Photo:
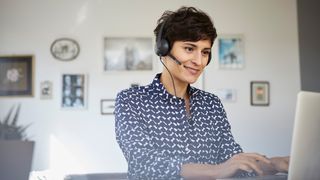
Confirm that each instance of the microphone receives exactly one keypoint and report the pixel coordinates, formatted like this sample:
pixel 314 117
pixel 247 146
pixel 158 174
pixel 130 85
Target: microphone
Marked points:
pixel 174 59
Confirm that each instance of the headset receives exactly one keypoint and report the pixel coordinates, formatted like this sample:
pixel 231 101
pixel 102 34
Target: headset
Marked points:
pixel 163 48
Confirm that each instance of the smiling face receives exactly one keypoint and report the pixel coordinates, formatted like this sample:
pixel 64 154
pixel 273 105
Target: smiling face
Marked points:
pixel 193 56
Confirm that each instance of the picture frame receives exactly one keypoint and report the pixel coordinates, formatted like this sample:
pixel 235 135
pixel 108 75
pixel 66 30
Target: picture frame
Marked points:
pixel 46 90
pixel 128 54
pixel 226 94
pixel 74 91
pixel 107 106
pixel 231 54
pixel 17 76
pixel 65 49
pixel 134 85
pixel 260 93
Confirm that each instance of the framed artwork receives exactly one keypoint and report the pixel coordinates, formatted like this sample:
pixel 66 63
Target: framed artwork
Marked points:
pixel 107 106
pixel 16 75
pixel 260 93
pixel 74 91
pixel 231 52
pixel 226 95
pixel 65 49
pixel 128 54
pixel 46 90
pixel 134 85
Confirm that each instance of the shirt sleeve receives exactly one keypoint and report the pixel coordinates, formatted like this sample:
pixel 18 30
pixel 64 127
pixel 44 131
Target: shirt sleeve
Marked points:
pixel 228 146
pixel 144 161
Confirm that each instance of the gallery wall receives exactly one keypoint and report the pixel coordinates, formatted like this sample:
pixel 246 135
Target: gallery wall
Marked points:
pixel 71 141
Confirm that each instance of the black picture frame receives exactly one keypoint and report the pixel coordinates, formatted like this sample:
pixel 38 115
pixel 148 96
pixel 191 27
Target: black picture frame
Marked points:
pixel 260 93
pixel 17 76
pixel 107 106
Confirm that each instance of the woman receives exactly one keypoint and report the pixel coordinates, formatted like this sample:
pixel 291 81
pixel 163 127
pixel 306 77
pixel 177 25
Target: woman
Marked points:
pixel 171 130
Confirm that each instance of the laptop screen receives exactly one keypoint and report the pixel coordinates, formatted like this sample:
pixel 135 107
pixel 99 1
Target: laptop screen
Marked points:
pixel 305 147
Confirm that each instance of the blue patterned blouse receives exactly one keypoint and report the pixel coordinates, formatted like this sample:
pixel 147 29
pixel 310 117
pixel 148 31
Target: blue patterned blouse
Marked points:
pixel 157 136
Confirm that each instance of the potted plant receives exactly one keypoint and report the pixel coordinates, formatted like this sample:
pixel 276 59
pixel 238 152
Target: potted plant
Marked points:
pixel 16 151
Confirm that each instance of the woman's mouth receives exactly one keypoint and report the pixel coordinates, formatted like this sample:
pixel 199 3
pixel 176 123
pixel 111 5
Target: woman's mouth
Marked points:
pixel 192 71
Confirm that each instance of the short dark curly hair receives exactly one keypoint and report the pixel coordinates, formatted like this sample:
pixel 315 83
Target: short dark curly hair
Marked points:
pixel 186 24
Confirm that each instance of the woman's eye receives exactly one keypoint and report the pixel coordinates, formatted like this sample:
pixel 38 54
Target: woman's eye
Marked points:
pixel 188 49
pixel 205 53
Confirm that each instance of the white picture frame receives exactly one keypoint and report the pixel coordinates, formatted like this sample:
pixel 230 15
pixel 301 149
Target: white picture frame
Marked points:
pixel 74 91
pixel 128 54
pixel 231 52
pixel 46 90
pixel 226 94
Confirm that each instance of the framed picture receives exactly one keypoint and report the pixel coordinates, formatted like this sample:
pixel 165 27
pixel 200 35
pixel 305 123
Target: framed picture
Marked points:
pixel 231 52
pixel 260 93
pixel 128 54
pixel 226 95
pixel 16 75
pixel 46 90
pixel 134 85
pixel 74 91
pixel 65 49
pixel 107 106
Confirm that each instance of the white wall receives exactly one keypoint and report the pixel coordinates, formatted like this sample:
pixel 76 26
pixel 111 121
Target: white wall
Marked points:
pixel 84 141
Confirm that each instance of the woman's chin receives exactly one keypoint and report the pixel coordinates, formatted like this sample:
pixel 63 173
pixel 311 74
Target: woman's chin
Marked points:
pixel 192 80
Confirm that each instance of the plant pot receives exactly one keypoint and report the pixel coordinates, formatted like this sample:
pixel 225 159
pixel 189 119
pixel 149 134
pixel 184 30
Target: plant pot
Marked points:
pixel 15 159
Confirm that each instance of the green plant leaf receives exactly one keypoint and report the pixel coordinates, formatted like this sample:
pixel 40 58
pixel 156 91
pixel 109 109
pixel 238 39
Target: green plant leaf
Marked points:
pixel 15 119
pixel 7 118
pixel 9 130
pixel 22 129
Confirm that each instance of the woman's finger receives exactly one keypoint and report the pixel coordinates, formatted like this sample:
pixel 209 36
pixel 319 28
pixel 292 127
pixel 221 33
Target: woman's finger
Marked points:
pixel 258 157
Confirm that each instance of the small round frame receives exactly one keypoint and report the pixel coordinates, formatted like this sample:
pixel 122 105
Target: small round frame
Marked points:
pixel 65 49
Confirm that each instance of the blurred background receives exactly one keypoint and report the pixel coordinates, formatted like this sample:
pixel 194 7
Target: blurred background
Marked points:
pixel 280 47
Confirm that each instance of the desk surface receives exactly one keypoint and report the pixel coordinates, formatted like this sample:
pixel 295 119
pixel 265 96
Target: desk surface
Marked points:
pixel 268 177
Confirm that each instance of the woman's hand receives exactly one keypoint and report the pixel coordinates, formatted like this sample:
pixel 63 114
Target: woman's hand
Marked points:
pixel 280 164
pixel 243 161
pixel 249 162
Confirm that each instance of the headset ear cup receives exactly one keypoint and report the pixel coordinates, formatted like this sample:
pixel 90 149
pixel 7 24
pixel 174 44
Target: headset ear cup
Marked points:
pixel 162 44
pixel 162 47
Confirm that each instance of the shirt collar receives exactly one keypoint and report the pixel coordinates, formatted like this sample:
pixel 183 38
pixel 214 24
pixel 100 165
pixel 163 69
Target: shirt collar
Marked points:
pixel 159 88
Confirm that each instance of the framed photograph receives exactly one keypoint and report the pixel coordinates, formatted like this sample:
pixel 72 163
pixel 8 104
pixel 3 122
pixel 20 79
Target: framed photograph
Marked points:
pixel 226 95
pixel 260 93
pixel 134 85
pixel 46 90
pixel 231 52
pixel 128 54
pixel 107 106
pixel 16 75
pixel 65 49
pixel 74 91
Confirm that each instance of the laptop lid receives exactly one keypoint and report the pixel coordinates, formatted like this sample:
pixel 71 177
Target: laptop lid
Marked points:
pixel 305 147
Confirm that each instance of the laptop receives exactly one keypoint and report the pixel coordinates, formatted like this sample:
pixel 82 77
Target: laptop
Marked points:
pixel 305 146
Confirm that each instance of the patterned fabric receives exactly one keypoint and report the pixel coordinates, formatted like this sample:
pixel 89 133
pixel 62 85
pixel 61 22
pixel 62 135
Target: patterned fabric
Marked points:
pixel 157 136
